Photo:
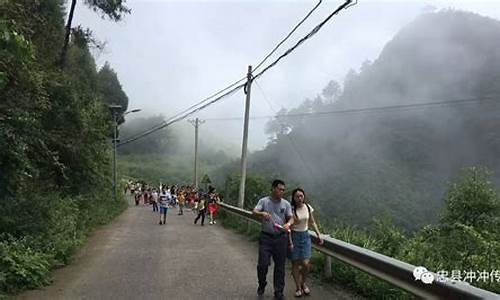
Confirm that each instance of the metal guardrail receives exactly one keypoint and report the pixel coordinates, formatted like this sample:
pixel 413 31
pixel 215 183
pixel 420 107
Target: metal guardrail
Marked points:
pixel 386 268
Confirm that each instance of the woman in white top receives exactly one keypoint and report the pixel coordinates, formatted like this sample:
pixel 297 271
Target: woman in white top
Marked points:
pixel 301 241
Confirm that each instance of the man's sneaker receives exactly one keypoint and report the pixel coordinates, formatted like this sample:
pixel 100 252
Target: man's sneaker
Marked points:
pixel 261 290
pixel 211 223
pixel 159 223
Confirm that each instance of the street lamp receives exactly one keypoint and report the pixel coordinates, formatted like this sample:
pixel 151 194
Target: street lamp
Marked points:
pixel 116 113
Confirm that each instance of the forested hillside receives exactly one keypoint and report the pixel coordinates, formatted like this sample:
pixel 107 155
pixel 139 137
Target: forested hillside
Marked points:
pixel 55 146
pixel 396 161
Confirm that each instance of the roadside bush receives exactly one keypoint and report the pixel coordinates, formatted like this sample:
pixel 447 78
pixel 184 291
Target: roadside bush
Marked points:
pixel 58 226
pixel 20 265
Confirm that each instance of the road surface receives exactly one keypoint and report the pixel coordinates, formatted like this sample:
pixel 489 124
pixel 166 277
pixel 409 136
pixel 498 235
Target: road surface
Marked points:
pixel 135 258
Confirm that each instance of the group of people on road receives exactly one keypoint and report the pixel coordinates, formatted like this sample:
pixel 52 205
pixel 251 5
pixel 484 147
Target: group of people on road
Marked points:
pixel 285 229
pixel 172 196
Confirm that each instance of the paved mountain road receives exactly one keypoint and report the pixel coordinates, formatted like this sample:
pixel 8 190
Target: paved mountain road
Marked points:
pixel 135 258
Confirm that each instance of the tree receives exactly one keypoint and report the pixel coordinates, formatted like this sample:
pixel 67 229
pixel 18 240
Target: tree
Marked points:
pixel 113 9
pixel 472 201
pixel 332 91
pixel 256 188
pixel 62 59
pixel 21 87
pixel 39 22
pixel 467 236
pixel 110 89
pixel 279 125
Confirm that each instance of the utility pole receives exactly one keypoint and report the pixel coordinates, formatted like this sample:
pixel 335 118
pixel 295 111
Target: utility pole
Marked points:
pixel 115 134
pixel 115 110
pixel 196 123
pixel 248 86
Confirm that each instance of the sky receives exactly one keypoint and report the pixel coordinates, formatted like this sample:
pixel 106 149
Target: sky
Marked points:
pixel 170 55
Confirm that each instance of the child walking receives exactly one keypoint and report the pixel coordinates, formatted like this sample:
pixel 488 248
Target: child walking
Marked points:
pixel 212 204
pixel 181 199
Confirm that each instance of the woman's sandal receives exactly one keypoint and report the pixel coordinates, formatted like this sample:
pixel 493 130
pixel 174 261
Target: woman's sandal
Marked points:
pixel 306 290
pixel 298 293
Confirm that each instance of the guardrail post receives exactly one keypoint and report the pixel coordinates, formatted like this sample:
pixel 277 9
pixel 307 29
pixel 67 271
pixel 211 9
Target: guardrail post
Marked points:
pixel 249 226
pixel 327 267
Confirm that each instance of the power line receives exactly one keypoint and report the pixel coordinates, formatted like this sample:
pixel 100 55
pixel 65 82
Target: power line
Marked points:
pixel 185 113
pixel 346 4
pixel 179 117
pixel 211 96
pixel 401 107
pixel 161 125
pixel 289 34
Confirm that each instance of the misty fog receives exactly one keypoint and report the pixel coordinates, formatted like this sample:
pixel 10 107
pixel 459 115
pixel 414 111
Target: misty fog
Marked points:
pixel 404 56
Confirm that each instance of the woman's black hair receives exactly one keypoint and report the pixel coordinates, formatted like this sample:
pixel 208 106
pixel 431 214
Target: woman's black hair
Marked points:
pixel 294 205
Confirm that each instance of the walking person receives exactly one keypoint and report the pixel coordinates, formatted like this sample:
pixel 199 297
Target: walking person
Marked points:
pixel 181 199
pixel 301 241
pixel 154 199
pixel 188 197
pixel 212 204
pixel 276 214
pixel 144 197
pixel 173 196
pixel 202 209
pixel 164 199
pixel 137 196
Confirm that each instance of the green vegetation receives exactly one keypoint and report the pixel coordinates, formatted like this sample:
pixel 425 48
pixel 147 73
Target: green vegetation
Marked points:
pixel 54 138
pixel 153 168
pixel 466 238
